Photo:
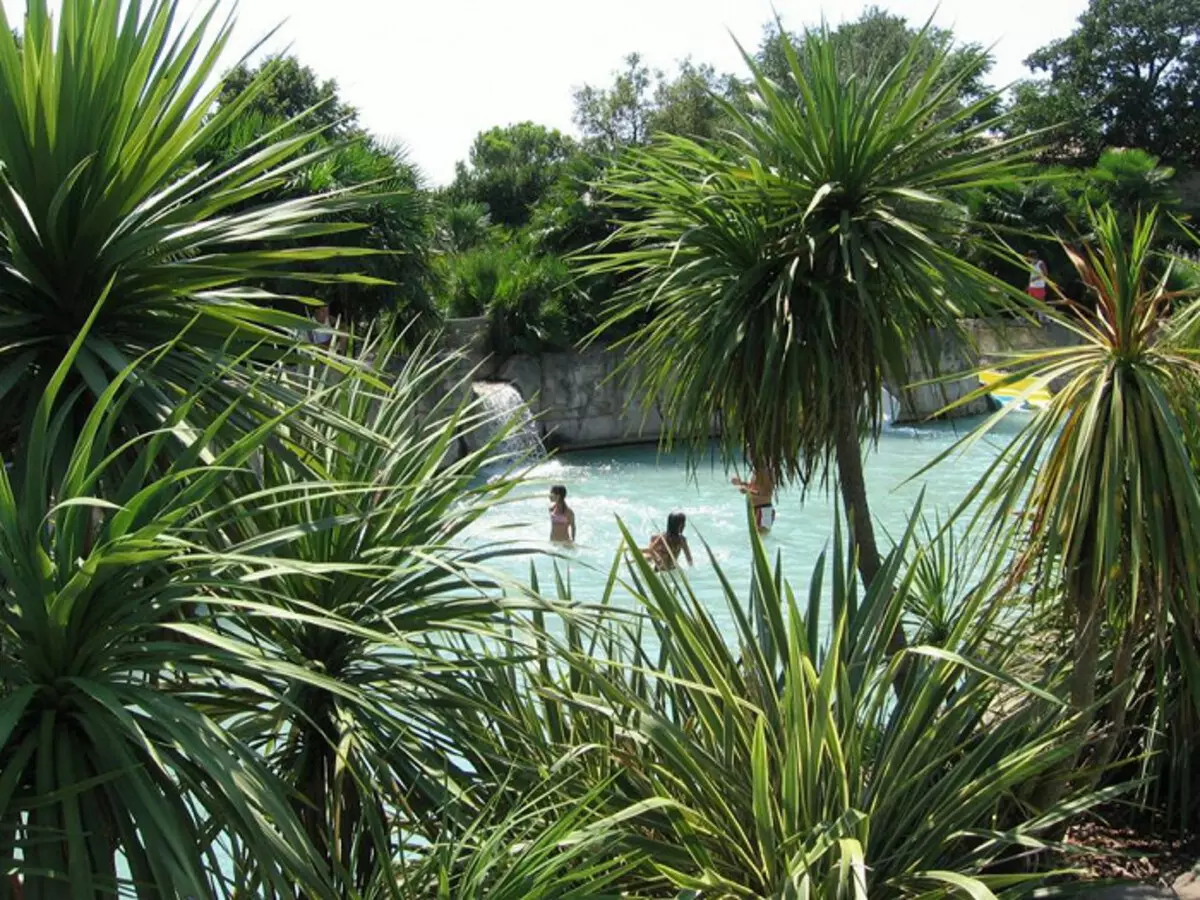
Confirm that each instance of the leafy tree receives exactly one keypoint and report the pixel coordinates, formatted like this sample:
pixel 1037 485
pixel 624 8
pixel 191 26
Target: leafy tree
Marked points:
pixel 1127 76
pixel 690 105
pixel 510 169
pixel 390 268
pixel 617 116
pixel 878 41
pixel 641 102
pixel 289 89
pixel 793 268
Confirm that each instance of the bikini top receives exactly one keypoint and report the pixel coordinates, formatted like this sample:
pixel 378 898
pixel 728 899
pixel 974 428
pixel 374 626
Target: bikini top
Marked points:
pixel 559 518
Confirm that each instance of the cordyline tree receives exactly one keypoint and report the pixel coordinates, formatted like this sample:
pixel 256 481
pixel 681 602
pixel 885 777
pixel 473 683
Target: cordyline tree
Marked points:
pixel 1102 484
pixel 794 266
pixel 111 229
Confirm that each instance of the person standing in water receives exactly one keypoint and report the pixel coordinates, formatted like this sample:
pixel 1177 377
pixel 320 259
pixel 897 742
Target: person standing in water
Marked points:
pixel 1037 281
pixel 562 517
pixel 761 491
pixel 665 548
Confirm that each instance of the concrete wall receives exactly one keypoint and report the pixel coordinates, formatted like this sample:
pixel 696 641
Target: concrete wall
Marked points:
pixel 580 401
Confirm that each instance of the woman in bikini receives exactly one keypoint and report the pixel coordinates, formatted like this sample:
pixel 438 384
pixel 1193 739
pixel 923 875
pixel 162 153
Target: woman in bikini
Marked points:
pixel 761 491
pixel 562 517
pixel 665 548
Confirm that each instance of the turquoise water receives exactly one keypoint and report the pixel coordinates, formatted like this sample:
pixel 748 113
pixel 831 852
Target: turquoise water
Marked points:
pixel 640 486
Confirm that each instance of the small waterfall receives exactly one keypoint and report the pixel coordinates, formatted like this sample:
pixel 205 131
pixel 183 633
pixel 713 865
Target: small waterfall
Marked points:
pixel 504 404
pixel 891 407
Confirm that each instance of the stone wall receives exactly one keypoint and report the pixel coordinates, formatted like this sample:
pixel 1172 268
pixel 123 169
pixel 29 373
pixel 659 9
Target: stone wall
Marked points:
pixel 580 401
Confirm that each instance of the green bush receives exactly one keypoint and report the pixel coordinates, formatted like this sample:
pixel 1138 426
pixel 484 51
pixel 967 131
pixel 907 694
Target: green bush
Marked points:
pixel 774 756
pixel 527 297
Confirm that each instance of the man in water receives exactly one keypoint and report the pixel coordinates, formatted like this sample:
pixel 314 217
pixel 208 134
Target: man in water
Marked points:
pixel 761 491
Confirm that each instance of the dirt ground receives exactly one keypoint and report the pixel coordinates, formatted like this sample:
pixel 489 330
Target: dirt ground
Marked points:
pixel 1123 848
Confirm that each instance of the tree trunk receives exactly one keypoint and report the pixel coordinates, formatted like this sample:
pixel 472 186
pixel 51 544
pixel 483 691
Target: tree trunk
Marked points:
pixel 1118 704
pixel 1085 653
pixel 853 488
pixel 1083 604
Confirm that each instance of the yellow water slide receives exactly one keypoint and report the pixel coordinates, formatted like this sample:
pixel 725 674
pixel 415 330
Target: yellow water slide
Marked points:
pixel 1033 391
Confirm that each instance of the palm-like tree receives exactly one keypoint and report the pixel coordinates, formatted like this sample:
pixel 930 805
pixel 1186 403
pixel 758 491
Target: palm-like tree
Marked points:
pixel 381 504
pixel 793 267
pixel 111 227
pixel 1104 480
pixel 116 777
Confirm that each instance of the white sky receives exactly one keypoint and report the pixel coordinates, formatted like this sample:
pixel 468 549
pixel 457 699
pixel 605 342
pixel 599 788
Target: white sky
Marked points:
pixel 430 74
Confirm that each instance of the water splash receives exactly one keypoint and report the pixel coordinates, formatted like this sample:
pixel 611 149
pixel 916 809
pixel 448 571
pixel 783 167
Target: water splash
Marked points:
pixel 891 408
pixel 505 406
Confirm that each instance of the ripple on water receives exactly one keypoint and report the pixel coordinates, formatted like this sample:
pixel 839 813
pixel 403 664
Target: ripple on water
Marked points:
pixel 640 486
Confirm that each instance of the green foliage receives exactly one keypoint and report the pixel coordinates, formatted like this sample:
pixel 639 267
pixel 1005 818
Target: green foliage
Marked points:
pixel 290 90
pixel 1131 182
pixel 462 226
pixel 249 645
pixel 767 734
pixel 1104 487
pixel 690 104
pixel 527 297
pixel 114 237
pixel 386 499
pixel 1051 211
pixel 396 218
pixel 617 116
pixel 878 41
pixel 117 774
pixel 511 169
pixel 640 103
pixel 1126 77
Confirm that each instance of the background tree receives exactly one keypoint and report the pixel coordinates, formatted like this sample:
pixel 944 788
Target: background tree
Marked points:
pixel 880 40
pixel 291 89
pixel 395 227
pixel 641 102
pixel 510 169
pixel 690 103
pixel 1127 76
pixel 617 116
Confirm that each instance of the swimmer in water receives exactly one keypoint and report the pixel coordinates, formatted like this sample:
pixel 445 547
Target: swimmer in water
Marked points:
pixel 562 517
pixel 761 491
pixel 665 548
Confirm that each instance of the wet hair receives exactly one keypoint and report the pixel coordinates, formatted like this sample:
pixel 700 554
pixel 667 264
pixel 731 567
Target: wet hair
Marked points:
pixel 675 523
pixel 559 490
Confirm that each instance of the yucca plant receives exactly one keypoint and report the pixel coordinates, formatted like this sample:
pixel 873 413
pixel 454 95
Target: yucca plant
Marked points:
pixel 791 268
pixel 378 505
pixel 108 219
pixel 116 779
pixel 785 764
pixel 1104 482
pixel 552 844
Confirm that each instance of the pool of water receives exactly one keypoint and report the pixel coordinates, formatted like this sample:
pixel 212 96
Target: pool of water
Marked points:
pixel 640 486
